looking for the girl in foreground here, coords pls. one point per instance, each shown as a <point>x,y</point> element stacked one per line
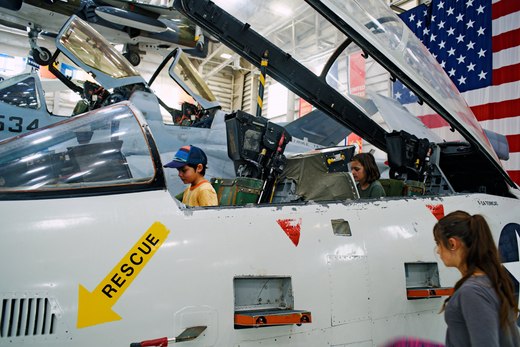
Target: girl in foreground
<point>483,309</point>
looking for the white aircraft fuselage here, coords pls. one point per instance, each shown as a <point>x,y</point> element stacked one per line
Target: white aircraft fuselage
<point>96,250</point>
<point>354,285</point>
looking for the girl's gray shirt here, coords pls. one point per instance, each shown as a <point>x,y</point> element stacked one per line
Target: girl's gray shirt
<point>472,316</point>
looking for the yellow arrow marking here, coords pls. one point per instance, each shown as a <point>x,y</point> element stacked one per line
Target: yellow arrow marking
<point>96,307</point>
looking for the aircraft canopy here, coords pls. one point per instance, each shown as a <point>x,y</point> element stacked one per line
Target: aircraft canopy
<point>342,31</point>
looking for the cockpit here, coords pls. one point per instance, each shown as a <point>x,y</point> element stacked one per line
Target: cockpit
<point>105,148</point>
<point>118,148</point>
<point>187,101</point>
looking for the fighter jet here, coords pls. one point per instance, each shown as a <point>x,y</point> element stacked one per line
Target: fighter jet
<point>184,111</point>
<point>137,25</point>
<point>95,250</point>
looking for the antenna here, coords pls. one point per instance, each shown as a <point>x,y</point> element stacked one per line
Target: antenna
<point>261,85</point>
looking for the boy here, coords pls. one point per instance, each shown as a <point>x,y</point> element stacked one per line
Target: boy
<point>191,162</point>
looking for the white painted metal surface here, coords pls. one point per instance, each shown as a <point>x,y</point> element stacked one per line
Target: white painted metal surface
<point>152,268</point>
<point>353,285</point>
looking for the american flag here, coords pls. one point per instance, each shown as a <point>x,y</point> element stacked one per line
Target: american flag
<point>477,42</point>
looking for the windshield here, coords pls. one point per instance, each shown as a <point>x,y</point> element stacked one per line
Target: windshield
<point>186,99</point>
<point>94,51</point>
<point>185,74</point>
<point>378,24</point>
<point>172,97</point>
<point>20,91</point>
<point>299,30</point>
<point>101,148</point>
<point>358,77</point>
<point>364,81</point>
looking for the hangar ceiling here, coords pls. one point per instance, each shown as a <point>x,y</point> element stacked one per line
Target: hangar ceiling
<point>304,34</point>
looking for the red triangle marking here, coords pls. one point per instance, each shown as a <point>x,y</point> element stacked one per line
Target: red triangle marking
<point>291,228</point>
<point>437,210</point>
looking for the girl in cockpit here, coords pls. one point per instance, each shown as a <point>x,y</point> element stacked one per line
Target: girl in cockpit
<point>366,174</point>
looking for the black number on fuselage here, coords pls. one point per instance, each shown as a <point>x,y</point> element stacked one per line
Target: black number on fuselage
<point>33,125</point>
<point>17,124</point>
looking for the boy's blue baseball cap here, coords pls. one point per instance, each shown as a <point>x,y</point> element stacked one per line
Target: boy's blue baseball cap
<point>188,155</point>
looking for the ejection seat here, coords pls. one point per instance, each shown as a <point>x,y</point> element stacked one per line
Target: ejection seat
<point>321,175</point>
<point>416,162</point>
<point>408,158</point>
<point>393,187</point>
<point>256,147</point>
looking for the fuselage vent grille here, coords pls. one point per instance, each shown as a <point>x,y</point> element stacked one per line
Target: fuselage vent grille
<point>27,317</point>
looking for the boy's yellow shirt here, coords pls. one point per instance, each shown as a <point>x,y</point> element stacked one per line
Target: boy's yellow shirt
<point>201,194</point>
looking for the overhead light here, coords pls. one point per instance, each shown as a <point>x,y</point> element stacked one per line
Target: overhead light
<point>225,55</point>
<point>281,10</point>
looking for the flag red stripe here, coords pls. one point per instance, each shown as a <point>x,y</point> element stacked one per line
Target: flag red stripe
<point>506,74</point>
<point>515,176</point>
<point>514,142</point>
<point>497,110</point>
<point>506,40</point>
<point>504,7</point>
<point>433,121</point>
<point>490,111</point>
